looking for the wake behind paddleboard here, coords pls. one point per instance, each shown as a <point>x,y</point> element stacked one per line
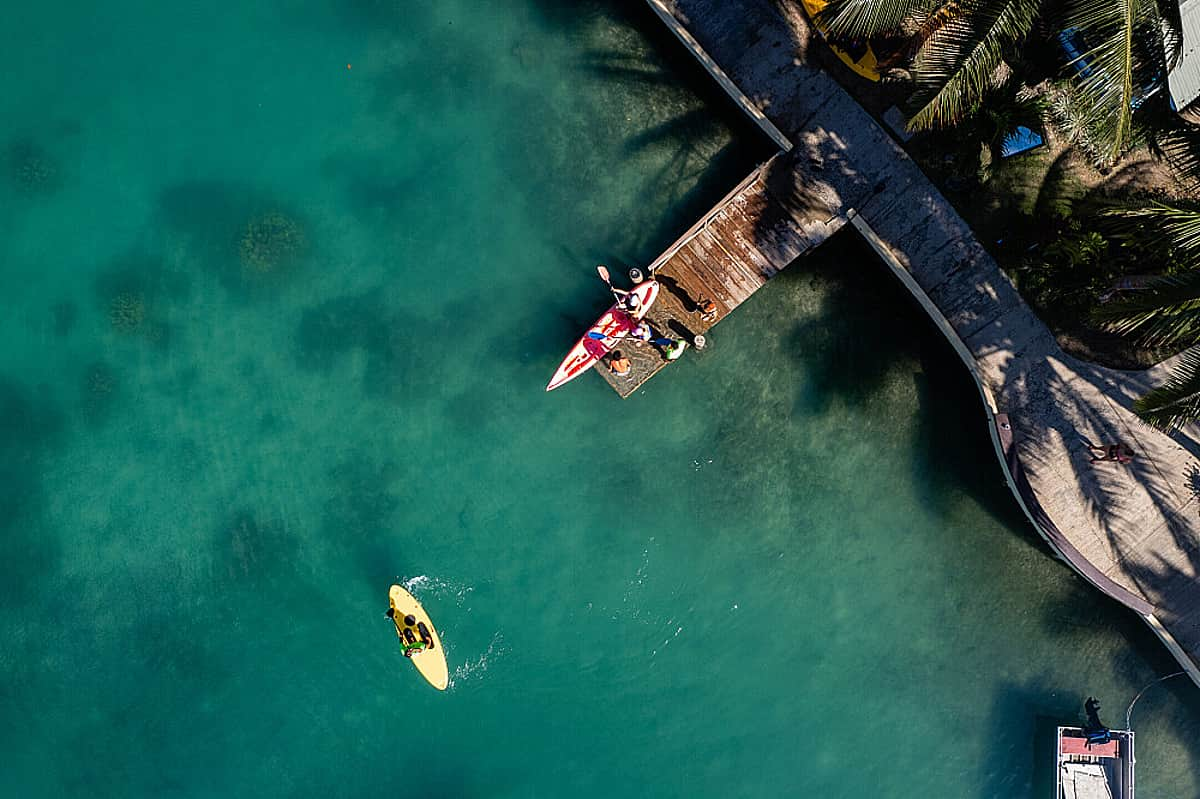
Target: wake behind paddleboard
<point>614,325</point>
<point>431,663</point>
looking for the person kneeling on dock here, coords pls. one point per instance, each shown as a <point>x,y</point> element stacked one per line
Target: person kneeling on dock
<point>674,349</point>
<point>619,365</point>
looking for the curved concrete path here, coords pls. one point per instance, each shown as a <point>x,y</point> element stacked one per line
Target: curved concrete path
<point>1133,531</point>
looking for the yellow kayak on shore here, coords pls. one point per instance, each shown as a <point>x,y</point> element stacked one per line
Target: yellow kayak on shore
<point>861,58</point>
<point>431,661</point>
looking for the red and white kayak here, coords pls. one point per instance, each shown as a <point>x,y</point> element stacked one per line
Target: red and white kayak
<point>614,325</point>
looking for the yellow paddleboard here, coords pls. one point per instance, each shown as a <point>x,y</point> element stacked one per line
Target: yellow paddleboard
<point>863,63</point>
<point>431,662</point>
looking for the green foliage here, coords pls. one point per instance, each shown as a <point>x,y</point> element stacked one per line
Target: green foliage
<point>957,64</point>
<point>1001,110</point>
<point>270,242</point>
<point>962,49</point>
<point>854,18</point>
<point>963,74</point>
<point>1176,402</point>
<point>1164,310</point>
<point>1064,276</point>
<point>964,159</point>
<point>1124,59</point>
<point>1170,230</point>
<point>1081,249</point>
<point>1178,139</point>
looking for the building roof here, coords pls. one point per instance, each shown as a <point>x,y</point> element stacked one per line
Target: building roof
<point>1184,79</point>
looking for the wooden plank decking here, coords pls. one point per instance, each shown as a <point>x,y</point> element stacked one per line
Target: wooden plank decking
<point>760,227</point>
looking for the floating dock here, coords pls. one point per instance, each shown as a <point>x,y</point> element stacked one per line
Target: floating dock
<point>769,219</point>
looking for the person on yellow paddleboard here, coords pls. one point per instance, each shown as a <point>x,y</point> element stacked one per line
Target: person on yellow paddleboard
<point>409,632</point>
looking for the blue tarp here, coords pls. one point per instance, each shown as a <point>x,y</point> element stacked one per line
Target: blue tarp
<point>1071,41</point>
<point>1021,140</point>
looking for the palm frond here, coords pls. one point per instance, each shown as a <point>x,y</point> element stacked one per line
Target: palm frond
<point>1175,231</point>
<point>1172,32</point>
<point>1005,107</point>
<point>957,64</point>
<point>1177,401</point>
<point>1163,310</point>
<point>865,18</point>
<point>1181,146</point>
<point>935,19</point>
<point>1113,75</point>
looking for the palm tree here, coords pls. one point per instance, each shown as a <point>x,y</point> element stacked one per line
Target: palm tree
<point>962,52</point>
<point>961,47</point>
<point>1165,310</point>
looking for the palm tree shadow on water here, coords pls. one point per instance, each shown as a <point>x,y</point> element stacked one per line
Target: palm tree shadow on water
<point>1031,383</point>
<point>627,69</point>
<point>686,186</point>
<point>954,451</point>
<point>571,16</point>
<point>710,150</point>
<point>1024,716</point>
<point>842,346</point>
<point>868,332</point>
<point>711,143</point>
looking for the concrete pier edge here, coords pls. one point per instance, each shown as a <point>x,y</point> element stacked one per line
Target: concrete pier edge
<point>989,403</point>
<point>739,98</point>
<point>1058,544</point>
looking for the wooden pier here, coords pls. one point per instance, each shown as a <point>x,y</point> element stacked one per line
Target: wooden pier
<point>777,213</point>
<point>1132,531</point>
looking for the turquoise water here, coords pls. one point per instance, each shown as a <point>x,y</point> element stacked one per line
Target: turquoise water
<point>284,283</point>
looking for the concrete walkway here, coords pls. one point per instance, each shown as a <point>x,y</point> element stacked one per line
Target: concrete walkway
<point>1133,531</point>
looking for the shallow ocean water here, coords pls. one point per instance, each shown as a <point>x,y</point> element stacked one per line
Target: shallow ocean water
<point>284,283</point>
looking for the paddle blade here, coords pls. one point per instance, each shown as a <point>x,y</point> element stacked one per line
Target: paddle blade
<point>602,270</point>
